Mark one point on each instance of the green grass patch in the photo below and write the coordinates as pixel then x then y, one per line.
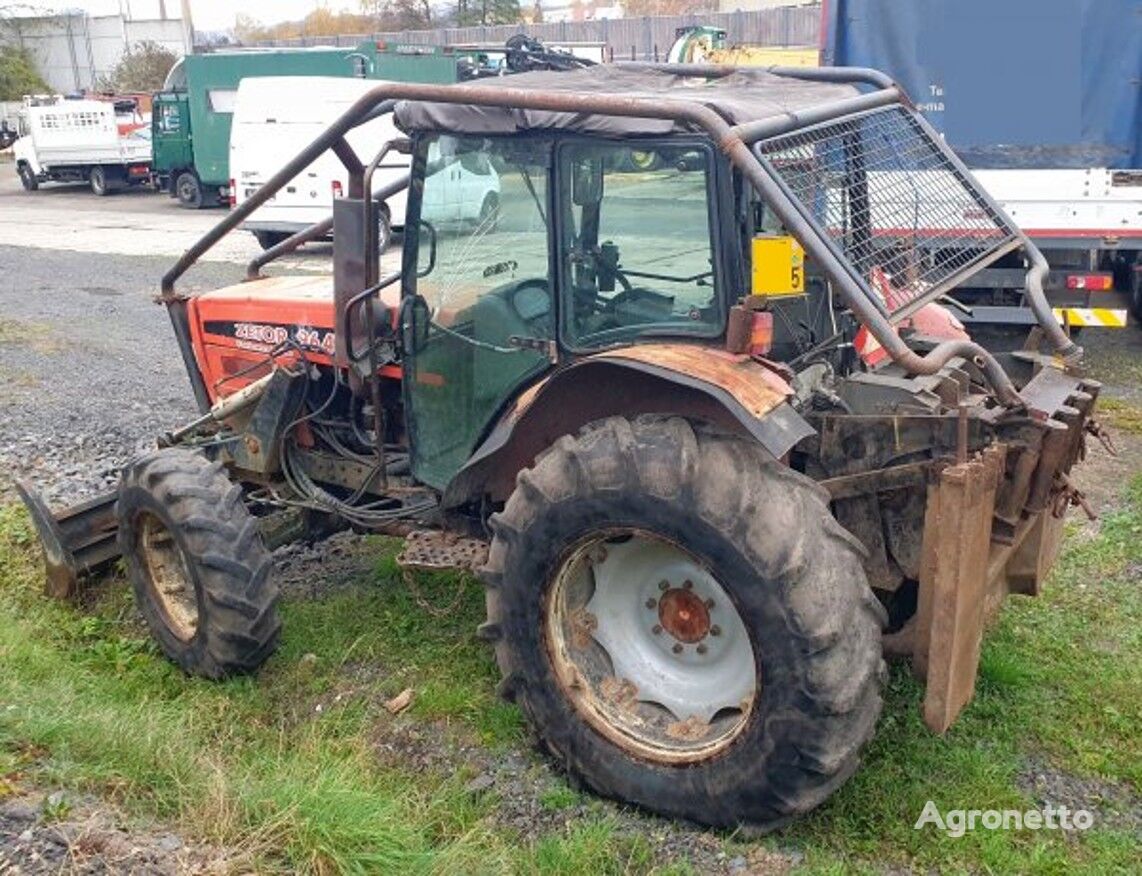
pixel 296 769
pixel 1121 414
pixel 1060 681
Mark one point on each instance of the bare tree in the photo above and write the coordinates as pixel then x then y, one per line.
pixel 143 67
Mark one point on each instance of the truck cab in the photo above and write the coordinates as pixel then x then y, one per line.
pixel 171 137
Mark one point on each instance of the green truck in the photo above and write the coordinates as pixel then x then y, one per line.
pixel 192 114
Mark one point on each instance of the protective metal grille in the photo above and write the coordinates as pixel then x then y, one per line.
pixel 897 208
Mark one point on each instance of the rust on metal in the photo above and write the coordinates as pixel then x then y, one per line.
pixel 954 584
pixel 431 550
pixel 692 729
pixel 76 541
pixel 684 615
pixel 755 387
pixel 583 626
pixel 621 692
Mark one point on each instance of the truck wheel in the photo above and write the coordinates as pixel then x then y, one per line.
pixel 269 239
pixel 684 623
pixel 188 190
pixel 201 575
pixel 99 182
pixel 27 178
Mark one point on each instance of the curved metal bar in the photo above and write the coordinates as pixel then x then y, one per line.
pixel 691 112
pixel 368 205
pixel 838 75
pixel 751 132
pixel 1037 301
pixel 313 232
pixel 867 75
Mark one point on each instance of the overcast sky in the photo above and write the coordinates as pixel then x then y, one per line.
pixel 207 14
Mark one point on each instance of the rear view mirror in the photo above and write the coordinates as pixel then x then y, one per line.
pixel 586 182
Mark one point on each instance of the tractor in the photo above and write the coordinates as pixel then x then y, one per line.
pixel 707 429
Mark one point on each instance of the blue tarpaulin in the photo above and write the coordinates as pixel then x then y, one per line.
pixel 1010 83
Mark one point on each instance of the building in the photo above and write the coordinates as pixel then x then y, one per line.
pixel 74 50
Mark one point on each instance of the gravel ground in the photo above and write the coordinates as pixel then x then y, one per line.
pixel 61 834
pixel 89 369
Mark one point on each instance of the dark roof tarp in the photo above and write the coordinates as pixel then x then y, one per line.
pixel 740 97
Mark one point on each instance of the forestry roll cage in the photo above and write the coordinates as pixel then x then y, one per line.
pixel 737 141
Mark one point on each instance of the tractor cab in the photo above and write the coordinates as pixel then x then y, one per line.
pixel 582 253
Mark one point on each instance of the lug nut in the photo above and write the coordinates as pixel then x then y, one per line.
pixel 663 585
pixel 656 629
pixel 715 630
pixel 709 603
pixel 651 603
pixel 702 649
pixel 687 585
pixel 677 649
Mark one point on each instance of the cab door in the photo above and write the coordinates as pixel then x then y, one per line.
pixel 170 133
pixel 479 312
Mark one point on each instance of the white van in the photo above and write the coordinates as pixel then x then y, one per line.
pixel 275 117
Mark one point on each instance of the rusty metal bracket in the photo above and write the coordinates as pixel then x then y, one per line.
pixel 427 550
pixel 954 584
pixel 1097 430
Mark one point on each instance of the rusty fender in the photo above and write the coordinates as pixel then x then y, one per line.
pixel 688 380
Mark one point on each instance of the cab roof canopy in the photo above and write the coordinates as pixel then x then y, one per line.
pixel 742 96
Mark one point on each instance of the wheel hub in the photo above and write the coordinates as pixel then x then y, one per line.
pixel 651 647
pixel 169 577
pixel 684 615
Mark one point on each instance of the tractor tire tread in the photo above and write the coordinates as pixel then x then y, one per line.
pixel 238 622
pixel 780 521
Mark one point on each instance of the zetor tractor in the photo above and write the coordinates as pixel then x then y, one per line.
pixel 705 430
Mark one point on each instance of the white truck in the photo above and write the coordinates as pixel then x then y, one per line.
pixel 64 140
pixel 275 117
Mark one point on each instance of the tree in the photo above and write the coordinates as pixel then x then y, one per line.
pixel 398 14
pixel 143 67
pixel 18 74
pixel 471 12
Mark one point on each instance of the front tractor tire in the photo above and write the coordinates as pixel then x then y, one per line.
pixel 201 574
pixel 684 623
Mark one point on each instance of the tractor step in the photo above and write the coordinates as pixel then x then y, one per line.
pixel 431 550
pixel 79 540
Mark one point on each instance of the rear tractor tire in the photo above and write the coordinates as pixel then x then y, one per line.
pixel 201 574
pixel 684 623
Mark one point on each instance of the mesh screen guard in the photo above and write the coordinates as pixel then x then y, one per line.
pixel 883 191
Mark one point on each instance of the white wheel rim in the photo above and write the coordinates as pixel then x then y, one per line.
pixel 650 647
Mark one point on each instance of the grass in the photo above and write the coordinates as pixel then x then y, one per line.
pixel 1121 415
pixel 302 768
